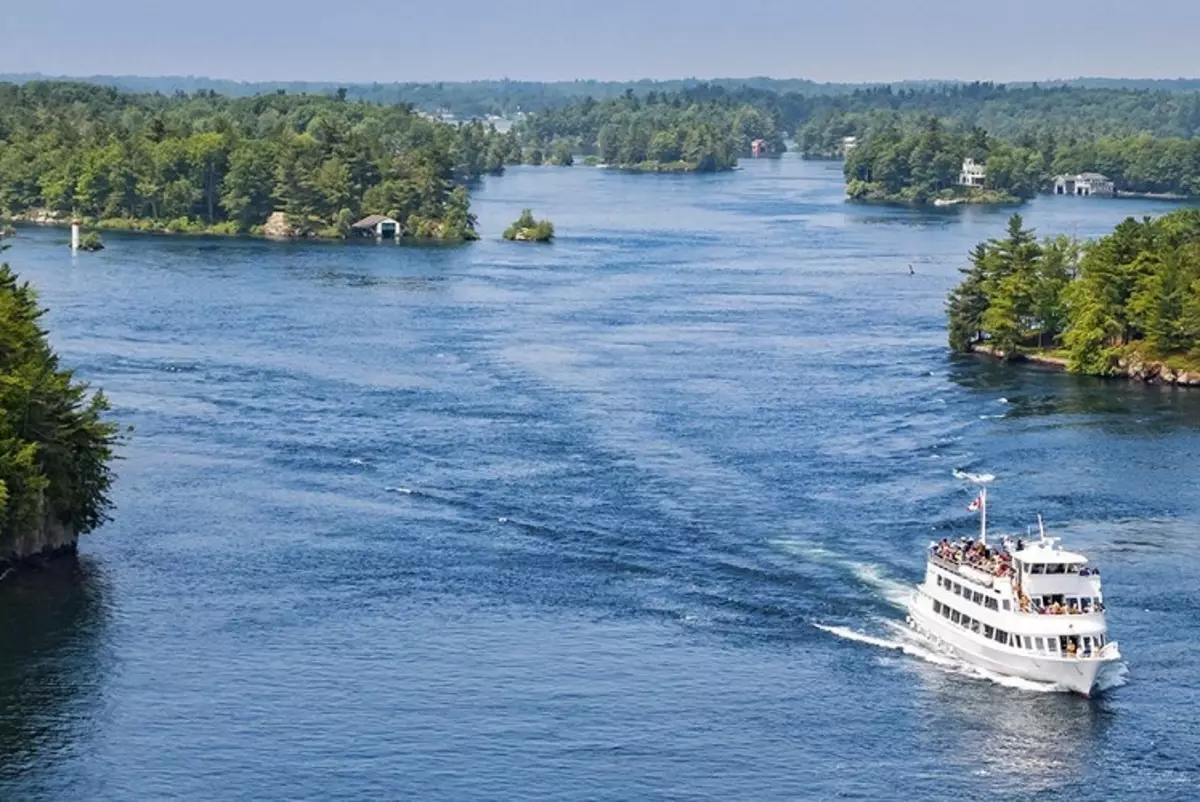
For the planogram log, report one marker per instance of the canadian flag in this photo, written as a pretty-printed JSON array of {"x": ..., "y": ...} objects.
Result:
[{"x": 976, "y": 504}]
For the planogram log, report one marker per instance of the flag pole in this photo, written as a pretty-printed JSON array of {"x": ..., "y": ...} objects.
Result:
[{"x": 983, "y": 514}]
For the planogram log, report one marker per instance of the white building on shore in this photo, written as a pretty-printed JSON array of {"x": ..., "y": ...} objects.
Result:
[
  {"x": 973, "y": 174},
  {"x": 1084, "y": 184}
]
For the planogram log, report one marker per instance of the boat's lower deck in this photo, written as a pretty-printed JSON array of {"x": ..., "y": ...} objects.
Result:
[{"x": 1078, "y": 674}]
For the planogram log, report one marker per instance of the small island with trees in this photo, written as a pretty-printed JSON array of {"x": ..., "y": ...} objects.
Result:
[
  {"x": 1127, "y": 304},
  {"x": 526, "y": 229}
]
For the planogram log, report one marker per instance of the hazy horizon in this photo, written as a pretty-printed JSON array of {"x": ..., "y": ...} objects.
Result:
[
  {"x": 858, "y": 41},
  {"x": 588, "y": 79}
]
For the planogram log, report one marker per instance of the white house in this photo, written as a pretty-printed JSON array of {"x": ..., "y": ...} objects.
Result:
[
  {"x": 1084, "y": 184},
  {"x": 849, "y": 143},
  {"x": 973, "y": 174}
]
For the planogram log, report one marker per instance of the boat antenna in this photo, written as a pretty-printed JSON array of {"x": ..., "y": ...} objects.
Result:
[{"x": 1041, "y": 527}]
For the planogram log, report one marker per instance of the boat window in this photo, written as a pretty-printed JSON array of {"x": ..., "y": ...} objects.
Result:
[
  {"x": 1099, "y": 641},
  {"x": 1028, "y": 643},
  {"x": 975, "y": 625},
  {"x": 1007, "y": 606},
  {"x": 954, "y": 616},
  {"x": 988, "y": 632},
  {"x": 1037, "y": 568},
  {"x": 937, "y": 606},
  {"x": 1055, "y": 568},
  {"x": 1072, "y": 568},
  {"x": 1039, "y": 644},
  {"x": 1087, "y": 645},
  {"x": 1085, "y": 604},
  {"x": 1052, "y": 643},
  {"x": 977, "y": 597},
  {"x": 991, "y": 603},
  {"x": 1002, "y": 636},
  {"x": 958, "y": 588}
]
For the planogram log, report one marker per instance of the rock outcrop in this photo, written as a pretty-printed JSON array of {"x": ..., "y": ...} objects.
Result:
[
  {"x": 279, "y": 227},
  {"x": 1134, "y": 368},
  {"x": 54, "y": 539}
]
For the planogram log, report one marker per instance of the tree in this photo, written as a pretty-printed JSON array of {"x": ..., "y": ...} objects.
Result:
[{"x": 55, "y": 445}]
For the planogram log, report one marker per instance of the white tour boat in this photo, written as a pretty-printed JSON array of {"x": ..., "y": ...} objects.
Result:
[{"x": 1027, "y": 609}]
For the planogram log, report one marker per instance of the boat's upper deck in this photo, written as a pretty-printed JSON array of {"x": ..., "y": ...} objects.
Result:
[{"x": 1038, "y": 577}]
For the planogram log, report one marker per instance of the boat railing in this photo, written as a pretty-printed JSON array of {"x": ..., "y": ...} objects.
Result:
[{"x": 977, "y": 573}]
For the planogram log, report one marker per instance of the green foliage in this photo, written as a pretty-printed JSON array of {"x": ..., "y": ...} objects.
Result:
[
  {"x": 55, "y": 446},
  {"x": 673, "y": 132},
  {"x": 908, "y": 159},
  {"x": 1133, "y": 293},
  {"x": 210, "y": 163},
  {"x": 90, "y": 242},
  {"x": 526, "y": 229},
  {"x": 922, "y": 165}
]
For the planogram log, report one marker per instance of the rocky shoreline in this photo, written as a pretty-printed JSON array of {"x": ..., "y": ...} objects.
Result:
[
  {"x": 1133, "y": 369},
  {"x": 39, "y": 547}
]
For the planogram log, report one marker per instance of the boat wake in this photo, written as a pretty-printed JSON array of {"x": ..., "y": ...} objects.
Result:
[
  {"x": 915, "y": 644},
  {"x": 898, "y": 594}
]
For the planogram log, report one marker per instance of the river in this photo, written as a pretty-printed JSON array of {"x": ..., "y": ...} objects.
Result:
[{"x": 627, "y": 517}]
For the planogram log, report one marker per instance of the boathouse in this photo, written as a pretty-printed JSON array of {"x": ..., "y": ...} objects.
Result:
[
  {"x": 1084, "y": 184},
  {"x": 378, "y": 226}
]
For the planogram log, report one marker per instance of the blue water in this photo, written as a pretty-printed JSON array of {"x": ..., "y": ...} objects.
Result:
[{"x": 505, "y": 522}]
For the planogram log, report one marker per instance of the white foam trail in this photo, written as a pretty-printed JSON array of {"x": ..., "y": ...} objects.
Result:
[
  {"x": 805, "y": 548},
  {"x": 1112, "y": 676},
  {"x": 405, "y": 490},
  {"x": 916, "y": 644},
  {"x": 991, "y": 417},
  {"x": 899, "y": 645},
  {"x": 897, "y": 593},
  {"x": 974, "y": 477}
]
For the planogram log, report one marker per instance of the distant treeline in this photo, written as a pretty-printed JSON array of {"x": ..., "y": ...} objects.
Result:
[
  {"x": 1130, "y": 297},
  {"x": 467, "y": 99},
  {"x": 662, "y": 131},
  {"x": 208, "y": 162}
]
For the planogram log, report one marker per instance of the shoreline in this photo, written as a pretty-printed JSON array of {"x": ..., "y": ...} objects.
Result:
[
  {"x": 1147, "y": 372},
  {"x": 21, "y": 221}
]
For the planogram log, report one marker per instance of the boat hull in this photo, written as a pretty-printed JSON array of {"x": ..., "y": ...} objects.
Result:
[{"x": 1077, "y": 674}]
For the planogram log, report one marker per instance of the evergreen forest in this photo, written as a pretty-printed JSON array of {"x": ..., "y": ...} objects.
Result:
[
  {"x": 212, "y": 163},
  {"x": 56, "y": 446},
  {"x": 1130, "y": 297}
]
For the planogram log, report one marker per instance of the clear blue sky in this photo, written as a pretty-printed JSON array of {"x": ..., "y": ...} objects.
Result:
[{"x": 850, "y": 40}]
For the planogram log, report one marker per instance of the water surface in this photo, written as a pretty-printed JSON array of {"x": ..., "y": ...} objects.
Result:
[{"x": 627, "y": 517}]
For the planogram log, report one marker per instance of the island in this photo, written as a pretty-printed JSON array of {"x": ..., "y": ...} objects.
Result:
[
  {"x": 1127, "y": 304},
  {"x": 55, "y": 466},
  {"x": 91, "y": 242},
  {"x": 929, "y": 162},
  {"x": 527, "y": 229},
  {"x": 661, "y": 132},
  {"x": 210, "y": 164}
]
